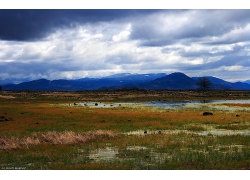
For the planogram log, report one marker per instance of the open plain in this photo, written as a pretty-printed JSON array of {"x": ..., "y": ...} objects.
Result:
[{"x": 125, "y": 129}]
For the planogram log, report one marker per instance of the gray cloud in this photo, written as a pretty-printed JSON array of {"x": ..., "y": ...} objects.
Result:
[
  {"x": 77, "y": 43},
  {"x": 187, "y": 26}
]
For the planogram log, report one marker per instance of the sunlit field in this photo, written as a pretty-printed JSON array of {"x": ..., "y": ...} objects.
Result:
[{"x": 116, "y": 130}]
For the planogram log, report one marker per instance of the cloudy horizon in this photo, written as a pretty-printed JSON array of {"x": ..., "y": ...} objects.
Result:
[{"x": 73, "y": 44}]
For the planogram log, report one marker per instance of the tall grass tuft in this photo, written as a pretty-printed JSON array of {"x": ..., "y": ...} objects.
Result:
[
  {"x": 63, "y": 138},
  {"x": 54, "y": 138}
]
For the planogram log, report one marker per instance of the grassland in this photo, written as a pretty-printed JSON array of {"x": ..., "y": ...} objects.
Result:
[{"x": 39, "y": 130}]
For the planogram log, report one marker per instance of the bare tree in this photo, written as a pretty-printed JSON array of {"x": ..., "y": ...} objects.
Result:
[{"x": 204, "y": 83}]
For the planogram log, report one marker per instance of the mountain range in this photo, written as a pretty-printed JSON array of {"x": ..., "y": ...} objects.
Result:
[{"x": 153, "y": 81}]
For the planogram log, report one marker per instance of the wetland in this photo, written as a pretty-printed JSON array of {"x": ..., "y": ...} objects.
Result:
[{"x": 138, "y": 129}]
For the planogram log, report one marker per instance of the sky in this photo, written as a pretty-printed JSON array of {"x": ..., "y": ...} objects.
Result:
[{"x": 78, "y": 43}]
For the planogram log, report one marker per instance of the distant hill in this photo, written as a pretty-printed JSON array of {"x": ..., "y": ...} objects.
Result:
[
  {"x": 84, "y": 83},
  {"x": 221, "y": 84},
  {"x": 180, "y": 81},
  {"x": 247, "y": 81},
  {"x": 241, "y": 86},
  {"x": 135, "y": 78},
  {"x": 174, "y": 81},
  {"x": 217, "y": 83}
]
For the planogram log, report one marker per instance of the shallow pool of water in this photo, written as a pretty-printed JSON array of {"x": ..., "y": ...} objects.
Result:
[
  {"x": 106, "y": 153},
  {"x": 145, "y": 132},
  {"x": 210, "y": 104},
  {"x": 214, "y": 132},
  {"x": 105, "y": 105},
  {"x": 221, "y": 132},
  {"x": 198, "y": 104}
]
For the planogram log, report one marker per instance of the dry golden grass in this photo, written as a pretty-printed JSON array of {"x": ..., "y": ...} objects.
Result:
[
  {"x": 15, "y": 142},
  {"x": 63, "y": 138},
  {"x": 53, "y": 138},
  {"x": 238, "y": 105},
  {"x": 6, "y": 97},
  {"x": 73, "y": 137}
]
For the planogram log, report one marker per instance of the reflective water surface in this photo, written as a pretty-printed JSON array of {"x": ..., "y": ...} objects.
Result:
[
  {"x": 211, "y": 104},
  {"x": 213, "y": 132}
]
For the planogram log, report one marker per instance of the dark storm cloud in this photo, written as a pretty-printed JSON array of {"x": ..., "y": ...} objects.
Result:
[{"x": 31, "y": 25}]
